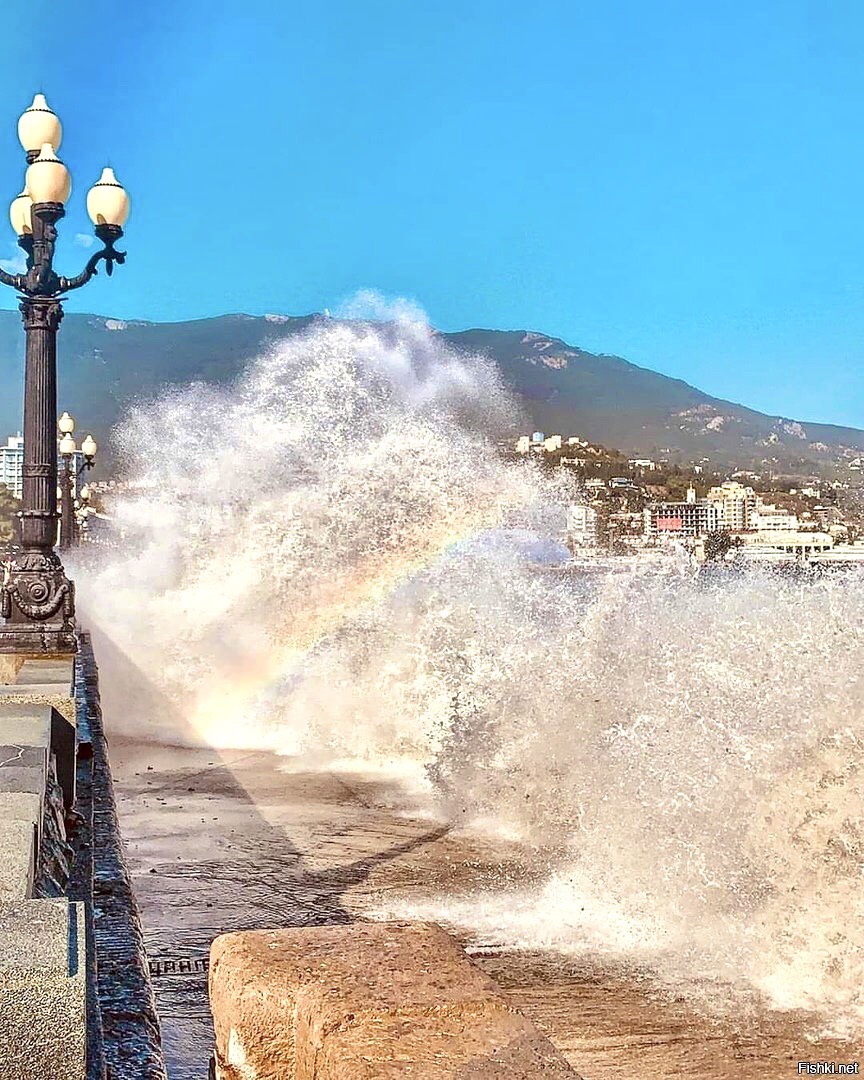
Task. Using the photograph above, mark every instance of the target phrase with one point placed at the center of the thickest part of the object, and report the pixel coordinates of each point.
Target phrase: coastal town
(615, 505)
(641, 506)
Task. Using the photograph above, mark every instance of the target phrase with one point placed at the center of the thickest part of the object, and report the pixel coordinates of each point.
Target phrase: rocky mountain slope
(107, 363)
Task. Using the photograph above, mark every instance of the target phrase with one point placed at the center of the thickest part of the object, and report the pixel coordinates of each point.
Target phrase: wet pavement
(220, 840)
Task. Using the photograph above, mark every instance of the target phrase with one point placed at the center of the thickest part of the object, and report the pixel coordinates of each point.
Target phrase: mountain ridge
(107, 363)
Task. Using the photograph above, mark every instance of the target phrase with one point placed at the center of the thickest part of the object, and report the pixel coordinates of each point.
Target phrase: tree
(8, 508)
(717, 545)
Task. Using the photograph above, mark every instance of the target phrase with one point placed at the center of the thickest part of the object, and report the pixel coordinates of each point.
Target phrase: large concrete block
(42, 991)
(365, 1002)
(43, 725)
(18, 844)
(488, 1045)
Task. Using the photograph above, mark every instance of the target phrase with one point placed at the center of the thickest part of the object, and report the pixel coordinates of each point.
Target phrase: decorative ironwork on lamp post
(68, 490)
(37, 600)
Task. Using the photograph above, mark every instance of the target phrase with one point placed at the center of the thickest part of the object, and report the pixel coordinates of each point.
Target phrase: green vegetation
(8, 508)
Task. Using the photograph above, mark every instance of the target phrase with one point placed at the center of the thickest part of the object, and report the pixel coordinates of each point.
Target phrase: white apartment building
(538, 442)
(695, 517)
(12, 465)
(735, 503)
(769, 518)
(784, 544)
(582, 525)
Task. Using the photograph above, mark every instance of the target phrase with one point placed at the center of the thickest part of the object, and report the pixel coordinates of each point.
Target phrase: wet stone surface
(222, 841)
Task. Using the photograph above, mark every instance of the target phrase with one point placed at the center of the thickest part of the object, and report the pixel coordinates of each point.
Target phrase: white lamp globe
(20, 214)
(39, 125)
(108, 201)
(66, 424)
(89, 447)
(48, 179)
(67, 445)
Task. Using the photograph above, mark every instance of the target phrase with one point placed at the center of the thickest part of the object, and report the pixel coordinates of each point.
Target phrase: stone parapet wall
(75, 998)
(43, 953)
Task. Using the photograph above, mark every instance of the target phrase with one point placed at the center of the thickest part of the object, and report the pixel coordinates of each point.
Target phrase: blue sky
(678, 183)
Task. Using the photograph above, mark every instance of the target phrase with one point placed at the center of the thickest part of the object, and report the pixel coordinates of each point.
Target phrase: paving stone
(25, 725)
(43, 725)
(42, 990)
(20, 806)
(18, 838)
(45, 672)
(24, 806)
(23, 768)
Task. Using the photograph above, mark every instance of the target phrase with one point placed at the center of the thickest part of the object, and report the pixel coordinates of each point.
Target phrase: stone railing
(75, 1001)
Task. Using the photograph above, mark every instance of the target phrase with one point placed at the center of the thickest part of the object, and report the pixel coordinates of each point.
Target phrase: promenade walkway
(225, 840)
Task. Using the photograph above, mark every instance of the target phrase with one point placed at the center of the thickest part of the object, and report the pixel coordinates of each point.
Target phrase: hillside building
(781, 545)
(769, 518)
(582, 525)
(735, 503)
(693, 517)
(12, 465)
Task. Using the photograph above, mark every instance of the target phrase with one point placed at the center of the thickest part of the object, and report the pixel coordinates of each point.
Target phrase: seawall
(75, 998)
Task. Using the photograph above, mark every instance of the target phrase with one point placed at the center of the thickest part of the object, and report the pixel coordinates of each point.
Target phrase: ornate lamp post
(37, 600)
(68, 488)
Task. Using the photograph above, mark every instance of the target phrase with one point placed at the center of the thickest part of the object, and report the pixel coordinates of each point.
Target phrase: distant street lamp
(37, 600)
(68, 488)
(83, 512)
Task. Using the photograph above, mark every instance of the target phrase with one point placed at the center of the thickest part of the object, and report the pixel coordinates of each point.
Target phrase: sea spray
(692, 753)
(270, 513)
(317, 562)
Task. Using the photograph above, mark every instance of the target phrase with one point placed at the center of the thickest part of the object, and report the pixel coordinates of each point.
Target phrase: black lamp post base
(40, 641)
(37, 605)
